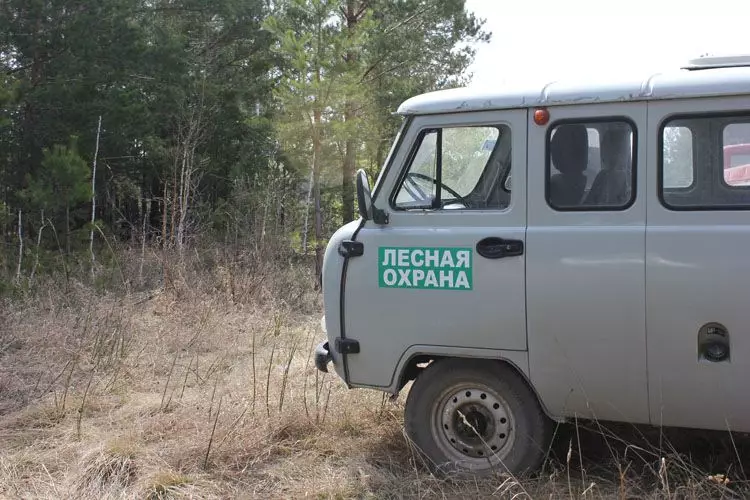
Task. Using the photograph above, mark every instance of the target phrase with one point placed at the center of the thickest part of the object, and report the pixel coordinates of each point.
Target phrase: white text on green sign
(425, 268)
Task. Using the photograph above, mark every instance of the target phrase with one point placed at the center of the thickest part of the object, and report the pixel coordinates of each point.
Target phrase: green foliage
(63, 181)
(214, 114)
(347, 66)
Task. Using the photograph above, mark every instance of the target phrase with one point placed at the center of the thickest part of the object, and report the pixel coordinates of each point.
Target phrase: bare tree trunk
(5, 211)
(134, 233)
(186, 180)
(20, 247)
(164, 215)
(317, 149)
(38, 245)
(266, 204)
(307, 210)
(174, 200)
(143, 240)
(67, 229)
(280, 194)
(93, 199)
(184, 174)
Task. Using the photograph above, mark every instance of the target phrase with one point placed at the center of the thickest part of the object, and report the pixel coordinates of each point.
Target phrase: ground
(211, 392)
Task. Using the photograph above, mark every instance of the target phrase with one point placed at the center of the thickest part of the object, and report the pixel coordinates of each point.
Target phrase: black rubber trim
(436, 203)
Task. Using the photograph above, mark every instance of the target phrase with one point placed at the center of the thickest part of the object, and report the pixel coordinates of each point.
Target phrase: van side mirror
(364, 201)
(364, 197)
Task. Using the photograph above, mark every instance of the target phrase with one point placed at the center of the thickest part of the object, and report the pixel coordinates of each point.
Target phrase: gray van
(536, 254)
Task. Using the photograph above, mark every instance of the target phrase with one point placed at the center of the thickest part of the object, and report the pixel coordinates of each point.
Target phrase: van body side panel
(585, 283)
(698, 272)
(386, 317)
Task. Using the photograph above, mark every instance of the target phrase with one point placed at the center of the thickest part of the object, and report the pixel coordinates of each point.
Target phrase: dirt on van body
(183, 392)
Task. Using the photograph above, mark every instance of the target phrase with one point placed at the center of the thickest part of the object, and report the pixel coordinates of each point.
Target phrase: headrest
(569, 148)
(615, 149)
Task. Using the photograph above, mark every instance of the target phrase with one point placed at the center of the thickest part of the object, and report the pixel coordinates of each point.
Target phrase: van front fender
(407, 368)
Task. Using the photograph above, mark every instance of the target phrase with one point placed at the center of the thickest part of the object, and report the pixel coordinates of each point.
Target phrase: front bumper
(323, 357)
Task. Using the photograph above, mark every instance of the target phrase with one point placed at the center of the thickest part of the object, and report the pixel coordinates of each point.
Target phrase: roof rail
(707, 61)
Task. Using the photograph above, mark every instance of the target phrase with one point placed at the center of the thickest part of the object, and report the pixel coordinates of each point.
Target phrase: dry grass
(206, 389)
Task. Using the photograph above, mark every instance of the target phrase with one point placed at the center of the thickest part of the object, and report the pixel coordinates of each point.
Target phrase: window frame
(721, 115)
(633, 163)
(409, 160)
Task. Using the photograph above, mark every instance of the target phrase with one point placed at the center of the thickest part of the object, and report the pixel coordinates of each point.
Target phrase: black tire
(508, 431)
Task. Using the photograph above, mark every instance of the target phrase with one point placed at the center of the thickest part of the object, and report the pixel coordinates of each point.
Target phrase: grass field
(205, 388)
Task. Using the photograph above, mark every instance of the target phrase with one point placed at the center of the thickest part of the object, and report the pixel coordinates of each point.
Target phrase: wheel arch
(417, 358)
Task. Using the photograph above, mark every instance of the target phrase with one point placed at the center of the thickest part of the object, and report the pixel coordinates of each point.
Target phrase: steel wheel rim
(472, 425)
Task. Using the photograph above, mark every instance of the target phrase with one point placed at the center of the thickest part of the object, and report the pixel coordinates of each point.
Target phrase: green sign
(425, 268)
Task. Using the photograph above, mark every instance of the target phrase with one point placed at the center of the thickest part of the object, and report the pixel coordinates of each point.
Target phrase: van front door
(446, 273)
(698, 272)
(585, 261)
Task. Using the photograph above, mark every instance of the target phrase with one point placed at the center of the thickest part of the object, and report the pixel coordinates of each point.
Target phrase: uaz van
(533, 255)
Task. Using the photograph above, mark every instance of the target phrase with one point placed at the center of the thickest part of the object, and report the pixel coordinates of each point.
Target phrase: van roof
(701, 77)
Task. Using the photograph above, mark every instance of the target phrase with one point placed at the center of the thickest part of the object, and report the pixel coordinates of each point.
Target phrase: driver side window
(460, 168)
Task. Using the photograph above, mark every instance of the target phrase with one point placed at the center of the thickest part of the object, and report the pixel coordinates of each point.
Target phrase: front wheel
(476, 417)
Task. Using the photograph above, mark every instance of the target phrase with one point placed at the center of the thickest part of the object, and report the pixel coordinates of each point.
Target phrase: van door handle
(493, 247)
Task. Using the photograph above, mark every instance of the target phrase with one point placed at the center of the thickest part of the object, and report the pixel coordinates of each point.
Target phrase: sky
(545, 40)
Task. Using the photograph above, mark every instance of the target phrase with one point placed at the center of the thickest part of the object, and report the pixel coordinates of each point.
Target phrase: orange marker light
(541, 116)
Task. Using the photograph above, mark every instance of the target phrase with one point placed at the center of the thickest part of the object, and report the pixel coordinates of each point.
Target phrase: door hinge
(350, 248)
(346, 346)
(379, 216)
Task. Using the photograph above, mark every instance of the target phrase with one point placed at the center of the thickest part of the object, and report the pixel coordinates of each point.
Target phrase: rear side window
(459, 168)
(705, 163)
(590, 165)
(678, 157)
